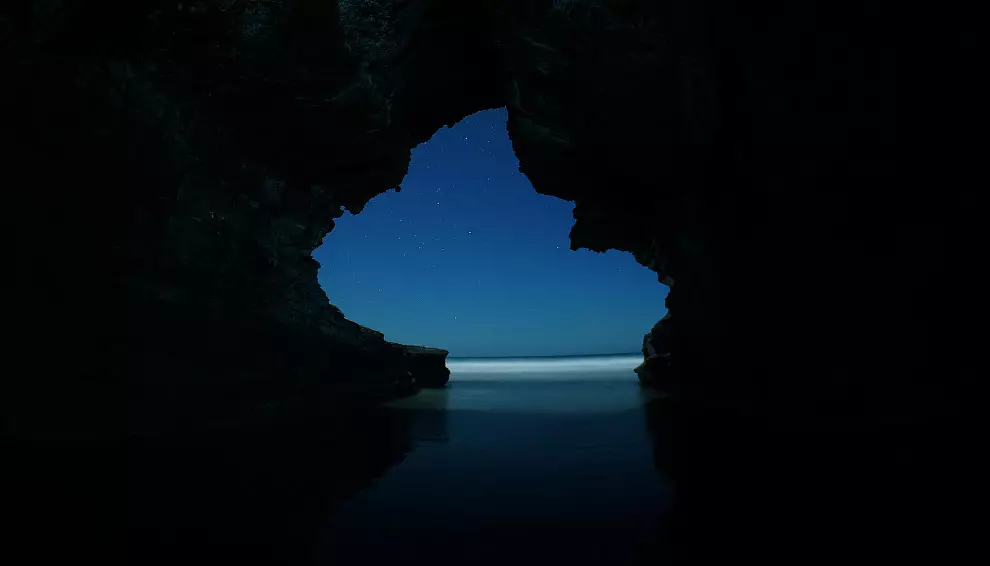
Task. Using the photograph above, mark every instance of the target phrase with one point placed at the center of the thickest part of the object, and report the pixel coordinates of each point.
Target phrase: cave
(801, 175)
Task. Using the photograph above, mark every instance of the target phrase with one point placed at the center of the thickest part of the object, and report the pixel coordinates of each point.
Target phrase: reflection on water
(487, 470)
(257, 497)
(546, 467)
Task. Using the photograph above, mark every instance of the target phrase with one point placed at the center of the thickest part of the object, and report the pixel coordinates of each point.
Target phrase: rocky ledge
(657, 368)
(427, 366)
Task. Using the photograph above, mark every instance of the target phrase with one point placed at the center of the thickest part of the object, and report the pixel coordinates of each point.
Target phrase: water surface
(517, 459)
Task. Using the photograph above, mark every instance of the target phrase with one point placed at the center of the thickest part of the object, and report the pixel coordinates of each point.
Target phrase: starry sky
(468, 257)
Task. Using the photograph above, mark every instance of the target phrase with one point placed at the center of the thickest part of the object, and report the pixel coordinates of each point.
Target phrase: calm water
(520, 461)
(524, 459)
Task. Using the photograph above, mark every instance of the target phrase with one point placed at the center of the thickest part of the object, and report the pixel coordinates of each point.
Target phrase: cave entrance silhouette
(468, 257)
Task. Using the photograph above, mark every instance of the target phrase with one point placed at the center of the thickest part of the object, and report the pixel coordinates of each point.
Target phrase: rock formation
(800, 173)
(426, 366)
(656, 370)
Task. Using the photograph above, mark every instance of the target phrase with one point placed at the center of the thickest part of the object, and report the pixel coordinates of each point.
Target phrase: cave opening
(468, 257)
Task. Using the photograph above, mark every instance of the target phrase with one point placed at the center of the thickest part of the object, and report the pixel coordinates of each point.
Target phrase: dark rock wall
(191, 157)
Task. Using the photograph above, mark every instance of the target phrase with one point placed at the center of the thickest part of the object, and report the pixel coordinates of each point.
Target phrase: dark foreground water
(515, 460)
(519, 461)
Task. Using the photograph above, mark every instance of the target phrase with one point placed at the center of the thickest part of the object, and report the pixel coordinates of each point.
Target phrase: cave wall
(760, 168)
(195, 154)
(191, 156)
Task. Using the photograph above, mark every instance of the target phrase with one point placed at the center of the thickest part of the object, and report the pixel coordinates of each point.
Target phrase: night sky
(468, 257)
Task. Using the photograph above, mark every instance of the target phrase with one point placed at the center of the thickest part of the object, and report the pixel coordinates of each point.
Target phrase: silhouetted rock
(427, 366)
(655, 371)
(657, 368)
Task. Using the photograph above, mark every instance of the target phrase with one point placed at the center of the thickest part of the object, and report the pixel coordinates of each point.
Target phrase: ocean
(517, 459)
(522, 460)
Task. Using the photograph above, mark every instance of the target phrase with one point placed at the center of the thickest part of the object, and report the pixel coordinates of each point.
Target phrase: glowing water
(561, 368)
